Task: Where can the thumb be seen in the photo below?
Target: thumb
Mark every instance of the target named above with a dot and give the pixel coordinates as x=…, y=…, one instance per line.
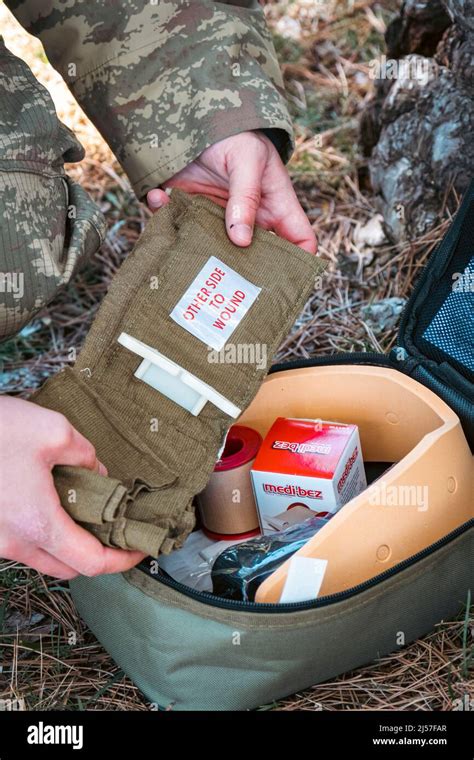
x=245, y=186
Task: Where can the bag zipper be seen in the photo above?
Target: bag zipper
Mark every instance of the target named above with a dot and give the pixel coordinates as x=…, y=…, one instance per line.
x=358, y=357
x=233, y=604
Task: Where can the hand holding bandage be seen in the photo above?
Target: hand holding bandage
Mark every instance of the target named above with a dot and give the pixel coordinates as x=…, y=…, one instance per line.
x=154, y=443
x=255, y=190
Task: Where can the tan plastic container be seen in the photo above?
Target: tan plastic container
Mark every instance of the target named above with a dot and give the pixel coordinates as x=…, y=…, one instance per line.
x=399, y=421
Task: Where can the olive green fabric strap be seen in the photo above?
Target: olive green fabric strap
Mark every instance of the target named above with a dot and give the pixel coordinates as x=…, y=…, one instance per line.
x=103, y=506
x=155, y=449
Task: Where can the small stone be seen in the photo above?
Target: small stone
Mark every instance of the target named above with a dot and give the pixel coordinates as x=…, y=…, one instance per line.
x=289, y=27
x=371, y=233
x=384, y=314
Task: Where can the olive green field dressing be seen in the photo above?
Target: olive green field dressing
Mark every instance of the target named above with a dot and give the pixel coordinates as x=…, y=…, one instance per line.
x=158, y=454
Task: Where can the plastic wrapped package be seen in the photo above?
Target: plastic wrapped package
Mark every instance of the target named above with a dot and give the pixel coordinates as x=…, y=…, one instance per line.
x=192, y=563
x=240, y=569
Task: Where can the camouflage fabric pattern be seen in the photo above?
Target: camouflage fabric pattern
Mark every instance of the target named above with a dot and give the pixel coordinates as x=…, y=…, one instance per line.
x=48, y=223
x=161, y=80
x=164, y=80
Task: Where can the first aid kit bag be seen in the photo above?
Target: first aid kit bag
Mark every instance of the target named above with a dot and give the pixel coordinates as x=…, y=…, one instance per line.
x=396, y=556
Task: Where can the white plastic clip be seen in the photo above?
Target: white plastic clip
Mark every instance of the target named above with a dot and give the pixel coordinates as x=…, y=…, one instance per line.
x=173, y=381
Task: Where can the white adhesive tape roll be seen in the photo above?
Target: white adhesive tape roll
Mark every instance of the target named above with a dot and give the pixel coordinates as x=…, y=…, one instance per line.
x=227, y=504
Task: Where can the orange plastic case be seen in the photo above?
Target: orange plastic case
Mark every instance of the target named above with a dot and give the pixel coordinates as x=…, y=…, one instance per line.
x=399, y=421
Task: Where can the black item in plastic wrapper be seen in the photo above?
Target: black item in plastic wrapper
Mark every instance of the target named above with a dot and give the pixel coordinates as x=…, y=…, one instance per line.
x=239, y=570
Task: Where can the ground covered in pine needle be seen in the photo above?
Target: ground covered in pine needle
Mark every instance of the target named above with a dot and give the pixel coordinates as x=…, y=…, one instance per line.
x=48, y=658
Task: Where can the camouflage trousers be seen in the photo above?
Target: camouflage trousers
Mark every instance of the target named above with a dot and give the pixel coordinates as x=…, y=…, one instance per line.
x=48, y=224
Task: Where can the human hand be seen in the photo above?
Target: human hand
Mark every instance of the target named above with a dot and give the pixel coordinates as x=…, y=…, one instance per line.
x=245, y=174
x=34, y=528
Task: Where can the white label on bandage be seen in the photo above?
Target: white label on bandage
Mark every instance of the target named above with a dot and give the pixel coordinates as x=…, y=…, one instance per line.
x=215, y=303
x=304, y=579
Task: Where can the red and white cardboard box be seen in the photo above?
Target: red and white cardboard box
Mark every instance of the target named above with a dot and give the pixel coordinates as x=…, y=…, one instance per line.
x=306, y=463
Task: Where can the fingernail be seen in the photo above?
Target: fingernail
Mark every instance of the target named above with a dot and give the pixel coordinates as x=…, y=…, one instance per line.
x=102, y=469
x=154, y=201
x=241, y=233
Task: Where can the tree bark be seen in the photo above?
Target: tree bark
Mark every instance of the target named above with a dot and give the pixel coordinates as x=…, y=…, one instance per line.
x=418, y=129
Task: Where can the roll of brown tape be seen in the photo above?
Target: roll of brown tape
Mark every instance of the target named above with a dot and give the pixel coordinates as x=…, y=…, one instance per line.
x=227, y=505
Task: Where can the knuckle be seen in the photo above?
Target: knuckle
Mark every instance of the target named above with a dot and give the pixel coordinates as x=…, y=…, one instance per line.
x=251, y=196
x=89, y=450
x=63, y=432
x=88, y=454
